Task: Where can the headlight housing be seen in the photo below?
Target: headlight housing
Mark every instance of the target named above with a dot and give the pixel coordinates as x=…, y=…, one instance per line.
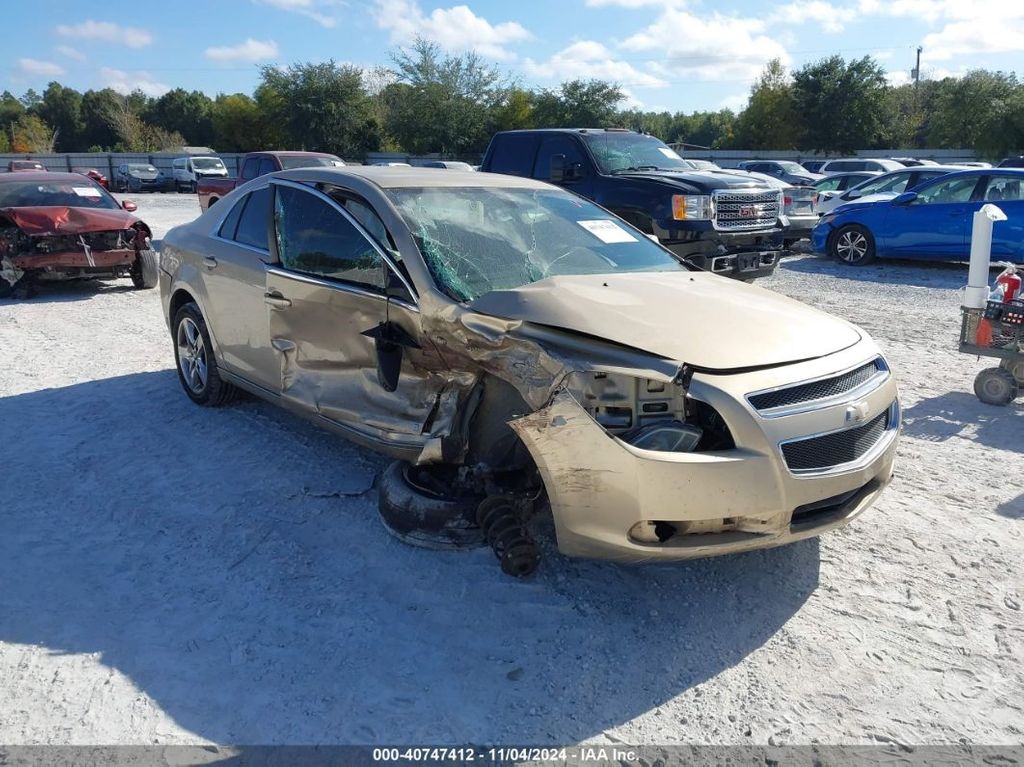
x=692, y=207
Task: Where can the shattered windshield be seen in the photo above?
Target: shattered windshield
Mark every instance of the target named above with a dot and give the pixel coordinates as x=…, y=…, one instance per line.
x=83, y=194
x=617, y=152
x=475, y=240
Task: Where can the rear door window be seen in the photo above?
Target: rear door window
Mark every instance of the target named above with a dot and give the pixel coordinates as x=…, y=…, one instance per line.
x=249, y=168
x=513, y=153
x=253, y=223
x=315, y=238
x=1004, y=188
x=266, y=166
x=230, y=224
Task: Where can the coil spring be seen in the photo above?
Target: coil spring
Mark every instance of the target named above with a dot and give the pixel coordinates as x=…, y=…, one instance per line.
x=502, y=526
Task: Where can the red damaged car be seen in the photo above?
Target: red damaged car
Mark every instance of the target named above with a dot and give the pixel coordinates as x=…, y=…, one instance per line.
x=61, y=226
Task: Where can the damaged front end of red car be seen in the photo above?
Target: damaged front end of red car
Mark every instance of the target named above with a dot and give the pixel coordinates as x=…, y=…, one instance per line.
x=61, y=243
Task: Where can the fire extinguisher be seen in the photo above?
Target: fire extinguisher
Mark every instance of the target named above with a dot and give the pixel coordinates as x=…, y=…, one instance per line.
x=1010, y=281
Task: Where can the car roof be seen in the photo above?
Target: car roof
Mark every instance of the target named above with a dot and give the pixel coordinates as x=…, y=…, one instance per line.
x=402, y=177
x=275, y=153
x=49, y=176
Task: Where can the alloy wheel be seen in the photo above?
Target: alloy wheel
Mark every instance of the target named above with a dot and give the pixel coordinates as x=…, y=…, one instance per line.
x=851, y=246
x=192, y=355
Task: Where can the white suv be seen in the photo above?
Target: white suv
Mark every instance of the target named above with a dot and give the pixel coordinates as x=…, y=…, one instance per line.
x=856, y=164
x=188, y=170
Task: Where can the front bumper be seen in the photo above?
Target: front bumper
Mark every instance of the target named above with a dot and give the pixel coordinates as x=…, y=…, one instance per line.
x=83, y=259
x=819, y=237
x=605, y=492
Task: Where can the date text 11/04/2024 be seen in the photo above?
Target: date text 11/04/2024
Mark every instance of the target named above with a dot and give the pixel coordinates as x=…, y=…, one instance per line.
x=503, y=754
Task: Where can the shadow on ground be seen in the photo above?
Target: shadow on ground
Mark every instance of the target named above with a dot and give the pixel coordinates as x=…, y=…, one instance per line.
x=924, y=274
x=962, y=415
x=1014, y=509
x=231, y=564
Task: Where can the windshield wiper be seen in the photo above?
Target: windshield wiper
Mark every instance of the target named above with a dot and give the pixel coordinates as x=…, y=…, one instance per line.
x=634, y=168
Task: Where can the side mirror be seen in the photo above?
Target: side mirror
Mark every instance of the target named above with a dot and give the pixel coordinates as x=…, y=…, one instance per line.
x=854, y=194
x=129, y=206
x=390, y=341
x=904, y=199
x=564, y=171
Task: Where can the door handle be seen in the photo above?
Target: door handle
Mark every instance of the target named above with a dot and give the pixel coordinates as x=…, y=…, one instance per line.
x=276, y=300
x=210, y=262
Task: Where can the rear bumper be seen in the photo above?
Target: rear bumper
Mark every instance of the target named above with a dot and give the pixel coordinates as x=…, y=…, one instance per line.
x=607, y=496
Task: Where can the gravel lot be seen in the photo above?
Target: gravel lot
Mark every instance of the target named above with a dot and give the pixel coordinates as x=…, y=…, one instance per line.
x=170, y=574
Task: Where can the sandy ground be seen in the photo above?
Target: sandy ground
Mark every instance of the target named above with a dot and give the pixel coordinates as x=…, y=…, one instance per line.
x=170, y=574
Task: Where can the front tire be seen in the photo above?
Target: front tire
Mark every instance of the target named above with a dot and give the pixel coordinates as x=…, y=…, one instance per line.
x=852, y=244
x=196, y=363
x=995, y=386
x=423, y=516
x=145, y=272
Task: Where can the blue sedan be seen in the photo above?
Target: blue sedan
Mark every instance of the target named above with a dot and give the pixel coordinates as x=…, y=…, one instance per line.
x=933, y=221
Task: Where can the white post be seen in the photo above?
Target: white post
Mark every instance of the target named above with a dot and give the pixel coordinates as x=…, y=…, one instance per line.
x=977, y=291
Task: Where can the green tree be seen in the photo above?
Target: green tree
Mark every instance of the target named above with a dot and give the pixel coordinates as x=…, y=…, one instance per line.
x=841, y=104
x=769, y=120
x=30, y=134
x=442, y=103
x=61, y=108
x=321, y=107
x=513, y=112
x=189, y=113
x=96, y=130
x=579, y=104
x=967, y=111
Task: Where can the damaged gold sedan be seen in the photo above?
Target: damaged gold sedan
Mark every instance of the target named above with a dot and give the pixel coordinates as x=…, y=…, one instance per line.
x=517, y=348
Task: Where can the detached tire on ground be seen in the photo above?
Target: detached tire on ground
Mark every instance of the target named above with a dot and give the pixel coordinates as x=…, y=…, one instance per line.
x=196, y=363
x=146, y=269
x=995, y=386
x=852, y=244
x=420, y=516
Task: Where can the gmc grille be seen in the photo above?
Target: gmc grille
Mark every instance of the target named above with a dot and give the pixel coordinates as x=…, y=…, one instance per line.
x=746, y=210
x=837, y=448
x=826, y=388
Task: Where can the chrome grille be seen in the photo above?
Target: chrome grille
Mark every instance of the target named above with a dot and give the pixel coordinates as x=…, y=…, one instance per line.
x=837, y=448
x=818, y=390
x=746, y=210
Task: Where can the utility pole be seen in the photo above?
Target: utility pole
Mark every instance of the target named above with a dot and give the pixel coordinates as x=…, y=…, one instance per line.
x=917, y=69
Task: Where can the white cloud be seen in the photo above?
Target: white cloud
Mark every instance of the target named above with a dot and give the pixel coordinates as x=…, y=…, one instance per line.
x=588, y=59
x=968, y=28
x=107, y=32
x=69, y=52
x=126, y=82
x=455, y=29
x=312, y=9
x=251, y=51
x=832, y=18
x=634, y=3
x=687, y=45
x=898, y=77
x=735, y=102
x=37, y=68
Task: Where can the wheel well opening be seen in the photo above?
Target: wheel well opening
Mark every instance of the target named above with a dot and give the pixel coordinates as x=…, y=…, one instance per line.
x=178, y=300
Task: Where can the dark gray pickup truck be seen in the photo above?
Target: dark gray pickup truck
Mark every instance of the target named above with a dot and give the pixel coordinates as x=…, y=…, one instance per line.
x=731, y=224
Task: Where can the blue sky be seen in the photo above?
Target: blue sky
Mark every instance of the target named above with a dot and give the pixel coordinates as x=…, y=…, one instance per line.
x=674, y=54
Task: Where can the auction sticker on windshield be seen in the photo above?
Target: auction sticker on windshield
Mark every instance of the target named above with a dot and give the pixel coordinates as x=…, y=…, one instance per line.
x=85, y=191
x=607, y=230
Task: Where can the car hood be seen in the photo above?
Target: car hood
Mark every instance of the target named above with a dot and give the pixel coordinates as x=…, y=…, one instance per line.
x=701, y=319
x=863, y=202
x=52, y=220
x=708, y=179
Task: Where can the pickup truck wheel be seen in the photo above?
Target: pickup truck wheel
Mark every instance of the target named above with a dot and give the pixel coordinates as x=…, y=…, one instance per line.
x=211, y=203
x=852, y=244
x=416, y=509
x=145, y=272
x=197, y=366
x=995, y=386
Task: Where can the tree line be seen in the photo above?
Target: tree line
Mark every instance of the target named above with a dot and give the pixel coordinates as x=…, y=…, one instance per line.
x=432, y=102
